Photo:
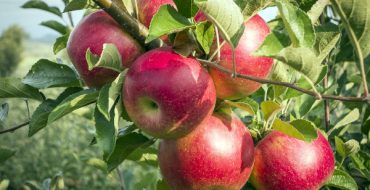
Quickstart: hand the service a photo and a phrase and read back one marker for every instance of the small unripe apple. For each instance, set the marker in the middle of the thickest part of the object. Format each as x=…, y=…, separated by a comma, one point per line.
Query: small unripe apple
x=283, y=162
x=93, y=32
x=218, y=154
x=228, y=87
x=147, y=9
x=168, y=95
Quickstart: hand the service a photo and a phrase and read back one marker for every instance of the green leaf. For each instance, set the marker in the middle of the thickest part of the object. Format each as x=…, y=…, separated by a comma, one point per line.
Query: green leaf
x=358, y=15
x=5, y=154
x=75, y=5
x=147, y=155
x=287, y=129
x=351, y=147
x=57, y=183
x=14, y=88
x=317, y=9
x=55, y=25
x=60, y=43
x=124, y=147
x=299, y=129
x=270, y=109
x=245, y=104
x=252, y=7
x=342, y=180
x=46, y=74
x=227, y=16
x=39, y=119
x=98, y=163
x=306, y=128
x=186, y=8
x=351, y=117
x=281, y=72
x=167, y=21
x=73, y=102
x=302, y=60
x=38, y=4
x=273, y=44
x=326, y=39
x=339, y=146
x=205, y=33
x=109, y=94
x=106, y=133
x=110, y=58
x=297, y=23
x=4, y=184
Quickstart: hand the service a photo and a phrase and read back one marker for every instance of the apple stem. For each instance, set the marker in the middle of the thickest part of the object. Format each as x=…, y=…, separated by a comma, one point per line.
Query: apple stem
x=129, y=23
x=286, y=84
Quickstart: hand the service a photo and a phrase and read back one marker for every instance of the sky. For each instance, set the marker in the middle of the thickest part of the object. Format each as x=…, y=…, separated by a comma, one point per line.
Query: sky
x=30, y=19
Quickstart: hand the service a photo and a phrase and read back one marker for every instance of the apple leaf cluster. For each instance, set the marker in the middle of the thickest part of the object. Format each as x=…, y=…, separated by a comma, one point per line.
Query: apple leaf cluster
x=313, y=44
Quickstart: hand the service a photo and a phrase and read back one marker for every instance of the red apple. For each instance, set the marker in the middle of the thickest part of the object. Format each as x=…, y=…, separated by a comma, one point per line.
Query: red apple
x=218, y=154
x=167, y=95
x=228, y=87
x=147, y=9
x=92, y=32
x=283, y=162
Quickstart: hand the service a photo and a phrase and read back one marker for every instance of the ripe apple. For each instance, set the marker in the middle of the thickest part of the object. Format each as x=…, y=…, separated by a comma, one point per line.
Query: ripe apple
x=147, y=9
x=283, y=162
x=228, y=87
x=92, y=32
x=167, y=95
x=218, y=154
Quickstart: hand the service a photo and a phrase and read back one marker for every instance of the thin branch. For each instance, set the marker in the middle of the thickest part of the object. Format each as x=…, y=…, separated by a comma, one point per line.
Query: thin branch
x=70, y=19
x=120, y=178
x=15, y=128
x=326, y=107
x=130, y=24
x=285, y=84
x=355, y=43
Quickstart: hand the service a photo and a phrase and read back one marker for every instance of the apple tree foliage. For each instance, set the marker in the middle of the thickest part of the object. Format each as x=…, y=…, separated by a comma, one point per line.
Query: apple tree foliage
x=320, y=46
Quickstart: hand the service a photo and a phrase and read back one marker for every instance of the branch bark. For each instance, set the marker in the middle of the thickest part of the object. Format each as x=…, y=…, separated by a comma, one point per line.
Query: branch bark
x=129, y=23
x=15, y=128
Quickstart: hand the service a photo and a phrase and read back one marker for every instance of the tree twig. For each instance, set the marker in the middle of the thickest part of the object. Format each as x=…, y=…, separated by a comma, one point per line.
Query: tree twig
x=120, y=178
x=15, y=128
x=355, y=43
x=289, y=85
x=129, y=23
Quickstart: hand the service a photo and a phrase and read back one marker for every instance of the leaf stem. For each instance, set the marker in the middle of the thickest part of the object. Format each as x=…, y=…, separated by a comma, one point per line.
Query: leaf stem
x=355, y=43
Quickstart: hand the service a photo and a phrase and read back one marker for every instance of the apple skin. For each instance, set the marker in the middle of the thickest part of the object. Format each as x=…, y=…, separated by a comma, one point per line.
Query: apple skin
x=147, y=9
x=168, y=95
x=283, y=162
x=218, y=154
x=231, y=88
x=92, y=32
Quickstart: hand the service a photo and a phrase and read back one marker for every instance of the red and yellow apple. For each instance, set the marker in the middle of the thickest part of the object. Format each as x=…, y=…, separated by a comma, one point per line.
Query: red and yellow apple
x=231, y=88
x=168, y=95
x=283, y=162
x=218, y=154
x=92, y=32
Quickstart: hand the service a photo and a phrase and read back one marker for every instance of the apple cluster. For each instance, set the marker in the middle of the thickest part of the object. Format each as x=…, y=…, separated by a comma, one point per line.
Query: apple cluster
x=172, y=97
